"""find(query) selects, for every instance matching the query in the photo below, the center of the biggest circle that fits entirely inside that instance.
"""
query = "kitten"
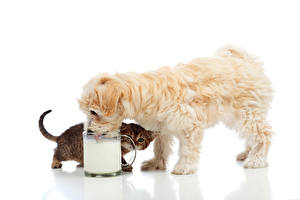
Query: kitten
(141, 138)
(70, 142)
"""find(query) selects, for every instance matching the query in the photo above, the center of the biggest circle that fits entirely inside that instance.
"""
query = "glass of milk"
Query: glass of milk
(102, 154)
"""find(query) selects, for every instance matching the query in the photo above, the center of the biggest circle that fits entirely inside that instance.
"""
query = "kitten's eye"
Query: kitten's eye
(141, 140)
(93, 113)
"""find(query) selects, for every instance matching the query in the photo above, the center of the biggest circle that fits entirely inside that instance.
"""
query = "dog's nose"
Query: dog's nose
(90, 131)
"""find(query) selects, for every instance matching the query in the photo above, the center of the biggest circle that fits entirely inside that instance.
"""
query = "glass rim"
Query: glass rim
(115, 134)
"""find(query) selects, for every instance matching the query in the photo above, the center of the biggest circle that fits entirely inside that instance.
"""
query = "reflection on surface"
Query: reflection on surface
(166, 186)
(154, 185)
(256, 186)
(68, 185)
(131, 192)
(75, 185)
(103, 188)
(188, 187)
(146, 185)
(163, 187)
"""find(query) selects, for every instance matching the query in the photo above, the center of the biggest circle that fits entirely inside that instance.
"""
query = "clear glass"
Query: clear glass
(102, 155)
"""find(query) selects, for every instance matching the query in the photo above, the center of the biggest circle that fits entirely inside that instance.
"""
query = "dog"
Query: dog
(183, 101)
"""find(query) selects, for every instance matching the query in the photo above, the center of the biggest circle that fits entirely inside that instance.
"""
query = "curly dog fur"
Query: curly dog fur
(185, 100)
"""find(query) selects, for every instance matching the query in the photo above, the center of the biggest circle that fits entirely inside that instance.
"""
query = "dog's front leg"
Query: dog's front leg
(189, 152)
(162, 150)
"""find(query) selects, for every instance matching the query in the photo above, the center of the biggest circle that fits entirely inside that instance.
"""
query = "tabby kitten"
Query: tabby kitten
(70, 142)
(141, 138)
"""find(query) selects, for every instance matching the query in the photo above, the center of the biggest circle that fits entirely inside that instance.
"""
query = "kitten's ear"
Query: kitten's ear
(154, 134)
(124, 126)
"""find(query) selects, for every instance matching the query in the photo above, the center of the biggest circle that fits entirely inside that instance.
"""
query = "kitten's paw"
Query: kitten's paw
(56, 165)
(183, 169)
(80, 165)
(255, 163)
(127, 169)
(242, 156)
(153, 164)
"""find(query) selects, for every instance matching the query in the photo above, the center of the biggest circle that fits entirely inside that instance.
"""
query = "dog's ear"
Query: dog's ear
(82, 104)
(109, 92)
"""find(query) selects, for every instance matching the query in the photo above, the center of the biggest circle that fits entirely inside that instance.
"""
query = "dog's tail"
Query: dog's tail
(230, 51)
(43, 130)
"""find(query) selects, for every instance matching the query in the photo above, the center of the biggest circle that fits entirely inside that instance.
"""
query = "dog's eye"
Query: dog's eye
(93, 113)
(141, 140)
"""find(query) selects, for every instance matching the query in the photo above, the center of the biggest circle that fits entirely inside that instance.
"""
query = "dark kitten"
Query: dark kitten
(141, 137)
(70, 142)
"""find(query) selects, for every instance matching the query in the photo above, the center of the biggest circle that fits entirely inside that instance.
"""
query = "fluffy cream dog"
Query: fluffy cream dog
(185, 100)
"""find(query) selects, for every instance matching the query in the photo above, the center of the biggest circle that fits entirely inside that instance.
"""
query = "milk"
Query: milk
(103, 156)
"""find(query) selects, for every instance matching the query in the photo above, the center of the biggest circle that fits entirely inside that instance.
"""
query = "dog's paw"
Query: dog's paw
(56, 165)
(183, 169)
(153, 164)
(255, 163)
(242, 156)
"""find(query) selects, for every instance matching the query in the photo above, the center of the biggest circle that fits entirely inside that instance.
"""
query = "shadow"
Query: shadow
(256, 186)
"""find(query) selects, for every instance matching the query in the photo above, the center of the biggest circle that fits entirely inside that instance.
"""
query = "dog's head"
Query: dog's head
(101, 102)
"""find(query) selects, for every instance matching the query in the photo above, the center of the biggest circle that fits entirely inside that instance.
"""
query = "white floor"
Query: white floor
(219, 175)
(253, 184)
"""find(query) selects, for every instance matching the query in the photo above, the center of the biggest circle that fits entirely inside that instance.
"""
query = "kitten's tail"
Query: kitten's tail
(43, 130)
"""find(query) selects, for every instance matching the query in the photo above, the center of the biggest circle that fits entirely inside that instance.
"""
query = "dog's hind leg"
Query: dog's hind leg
(162, 150)
(189, 152)
(231, 122)
(258, 135)
(243, 155)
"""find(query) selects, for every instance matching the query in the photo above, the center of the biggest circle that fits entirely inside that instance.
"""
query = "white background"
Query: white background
(49, 49)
